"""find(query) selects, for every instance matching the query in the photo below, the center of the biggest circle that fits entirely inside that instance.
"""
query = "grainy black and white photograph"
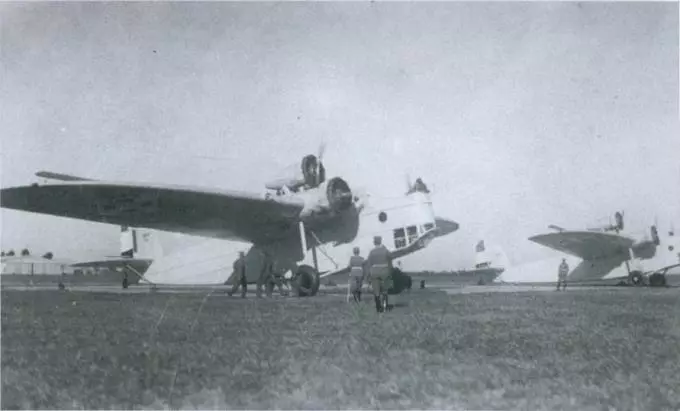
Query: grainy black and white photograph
(340, 205)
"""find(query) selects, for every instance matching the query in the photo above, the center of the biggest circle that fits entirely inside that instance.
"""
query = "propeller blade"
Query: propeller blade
(409, 185)
(319, 163)
(322, 150)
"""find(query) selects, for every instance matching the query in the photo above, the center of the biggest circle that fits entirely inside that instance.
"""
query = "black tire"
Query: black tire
(306, 281)
(481, 282)
(398, 282)
(657, 280)
(636, 279)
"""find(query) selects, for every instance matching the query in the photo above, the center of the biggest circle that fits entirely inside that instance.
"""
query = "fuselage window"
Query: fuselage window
(399, 238)
(382, 217)
(412, 233)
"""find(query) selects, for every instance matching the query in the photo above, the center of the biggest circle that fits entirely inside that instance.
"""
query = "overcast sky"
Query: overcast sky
(519, 114)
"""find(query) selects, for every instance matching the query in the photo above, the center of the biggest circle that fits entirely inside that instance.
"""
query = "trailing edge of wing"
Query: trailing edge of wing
(189, 210)
(587, 245)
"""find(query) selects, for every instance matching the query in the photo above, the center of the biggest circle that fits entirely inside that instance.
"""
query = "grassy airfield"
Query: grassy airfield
(581, 349)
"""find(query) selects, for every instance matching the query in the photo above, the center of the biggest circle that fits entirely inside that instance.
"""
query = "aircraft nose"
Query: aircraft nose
(445, 226)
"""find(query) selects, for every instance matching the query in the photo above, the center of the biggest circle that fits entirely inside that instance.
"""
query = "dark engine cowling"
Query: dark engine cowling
(309, 169)
(338, 194)
(313, 171)
(619, 221)
(332, 196)
(655, 235)
(310, 173)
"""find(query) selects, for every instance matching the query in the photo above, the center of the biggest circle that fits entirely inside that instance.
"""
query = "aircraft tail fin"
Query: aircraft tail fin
(493, 257)
(139, 243)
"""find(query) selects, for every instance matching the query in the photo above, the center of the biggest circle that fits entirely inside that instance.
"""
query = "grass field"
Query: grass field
(604, 349)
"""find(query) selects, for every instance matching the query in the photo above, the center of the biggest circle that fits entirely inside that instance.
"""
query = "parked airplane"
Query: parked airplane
(488, 266)
(605, 251)
(136, 255)
(300, 214)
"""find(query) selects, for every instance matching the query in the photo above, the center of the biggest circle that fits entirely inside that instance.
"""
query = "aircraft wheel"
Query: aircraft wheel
(481, 282)
(657, 280)
(636, 278)
(306, 281)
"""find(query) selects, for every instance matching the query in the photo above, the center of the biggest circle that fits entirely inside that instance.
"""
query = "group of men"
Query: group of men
(377, 268)
(268, 278)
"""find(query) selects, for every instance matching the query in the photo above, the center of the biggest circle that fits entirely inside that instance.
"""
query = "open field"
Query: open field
(610, 348)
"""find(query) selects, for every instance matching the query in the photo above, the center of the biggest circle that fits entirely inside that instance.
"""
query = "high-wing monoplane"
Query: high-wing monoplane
(605, 250)
(308, 224)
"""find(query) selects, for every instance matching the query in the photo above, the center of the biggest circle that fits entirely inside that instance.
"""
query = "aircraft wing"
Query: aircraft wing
(202, 212)
(593, 270)
(587, 245)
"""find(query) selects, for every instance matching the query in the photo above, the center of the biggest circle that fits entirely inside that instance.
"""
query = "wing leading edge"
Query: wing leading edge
(202, 212)
(587, 245)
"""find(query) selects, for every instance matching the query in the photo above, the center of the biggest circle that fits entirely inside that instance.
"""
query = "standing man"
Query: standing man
(380, 266)
(562, 274)
(239, 275)
(265, 277)
(275, 280)
(357, 272)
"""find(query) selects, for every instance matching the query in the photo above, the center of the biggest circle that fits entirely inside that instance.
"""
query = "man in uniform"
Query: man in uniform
(275, 280)
(380, 267)
(239, 275)
(357, 273)
(562, 274)
(265, 277)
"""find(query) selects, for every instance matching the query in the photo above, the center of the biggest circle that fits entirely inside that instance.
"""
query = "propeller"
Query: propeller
(320, 169)
(409, 185)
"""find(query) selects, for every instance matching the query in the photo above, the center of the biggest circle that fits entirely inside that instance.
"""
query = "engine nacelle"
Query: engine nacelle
(655, 235)
(331, 197)
(309, 172)
(618, 217)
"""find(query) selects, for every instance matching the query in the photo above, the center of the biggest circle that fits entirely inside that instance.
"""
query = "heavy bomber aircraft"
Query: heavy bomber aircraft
(300, 214)
(606, 250)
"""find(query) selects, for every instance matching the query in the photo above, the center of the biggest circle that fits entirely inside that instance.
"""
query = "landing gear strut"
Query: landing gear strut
(306, 279)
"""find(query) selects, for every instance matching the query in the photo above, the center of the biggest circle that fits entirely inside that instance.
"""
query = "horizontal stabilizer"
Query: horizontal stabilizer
(114, 263)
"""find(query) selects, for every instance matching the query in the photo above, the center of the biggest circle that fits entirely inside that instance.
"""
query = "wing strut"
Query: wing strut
(317, 243)
(321, 247)
(303, 238)
(138, 274)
